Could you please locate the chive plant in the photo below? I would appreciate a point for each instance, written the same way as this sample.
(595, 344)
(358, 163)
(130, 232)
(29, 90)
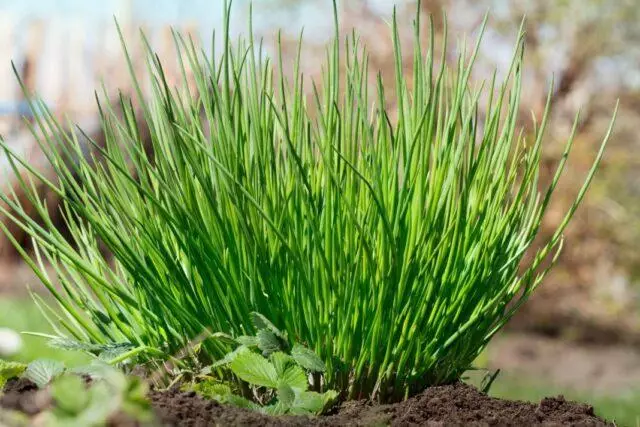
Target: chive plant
(393, 248)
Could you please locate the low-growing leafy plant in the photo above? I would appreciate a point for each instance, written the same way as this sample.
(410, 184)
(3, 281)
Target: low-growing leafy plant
(274, 381)
(394, 249)
(41, 372)
(79, 404)
(83, 396)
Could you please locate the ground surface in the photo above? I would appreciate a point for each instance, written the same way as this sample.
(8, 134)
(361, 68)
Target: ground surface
(453, 405)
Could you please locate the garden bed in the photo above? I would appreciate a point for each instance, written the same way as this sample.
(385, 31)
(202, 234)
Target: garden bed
(457, 404)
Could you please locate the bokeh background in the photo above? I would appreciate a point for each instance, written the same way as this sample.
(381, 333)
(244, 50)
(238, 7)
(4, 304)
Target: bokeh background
(580, 334)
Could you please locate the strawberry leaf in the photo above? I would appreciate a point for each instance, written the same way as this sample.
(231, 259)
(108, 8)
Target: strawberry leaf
(43, 371)
(281, 361)
(308, 402)
(307, 359)
(286, 395)
(254, 369)
(296, 378)
(261, 322)
(268, 342)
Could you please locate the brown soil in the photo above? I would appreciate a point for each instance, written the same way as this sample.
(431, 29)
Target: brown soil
(22, 395)
(451, 405)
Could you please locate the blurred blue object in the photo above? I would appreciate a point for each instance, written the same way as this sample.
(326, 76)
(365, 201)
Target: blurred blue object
(15, 109)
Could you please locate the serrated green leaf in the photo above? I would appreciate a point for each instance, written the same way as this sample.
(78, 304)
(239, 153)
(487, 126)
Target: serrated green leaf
(309, 401)
(102, 403)
(43, 371)
(211, 389)
(65, 343)
(268, 342)
(307, 358)
(286, 395)
(281, 361)
(113, 351)
(116, 392)
(221, 389)
(261, 322)
(241, 402)
(312, 403)
(296, 378)
(274, 410)
(10, 370)
(104, 351)
(254, 369)
(247, 340)
(329, 398)
(300, 412)
(229, 357)
(70, 393)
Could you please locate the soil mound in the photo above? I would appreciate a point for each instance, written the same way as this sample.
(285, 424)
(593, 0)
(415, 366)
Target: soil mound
(450, 405)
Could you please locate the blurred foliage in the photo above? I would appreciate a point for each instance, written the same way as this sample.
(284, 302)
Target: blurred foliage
(23, 315)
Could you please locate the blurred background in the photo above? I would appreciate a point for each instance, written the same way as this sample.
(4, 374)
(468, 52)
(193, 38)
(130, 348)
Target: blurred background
(580, 334)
